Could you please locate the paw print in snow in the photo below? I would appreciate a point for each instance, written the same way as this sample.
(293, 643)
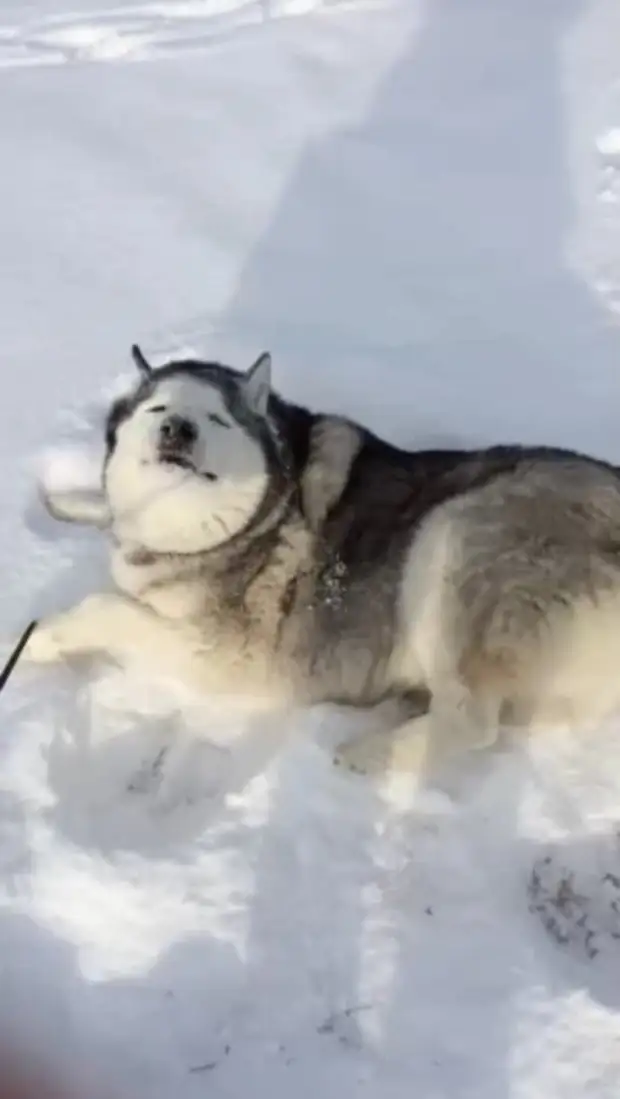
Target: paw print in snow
(583, 916)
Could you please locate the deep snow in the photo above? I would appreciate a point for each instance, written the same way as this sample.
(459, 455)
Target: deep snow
(416, 207)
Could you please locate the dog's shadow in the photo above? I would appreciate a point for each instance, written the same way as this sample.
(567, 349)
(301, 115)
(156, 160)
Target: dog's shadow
(137, 767)
(125, 779)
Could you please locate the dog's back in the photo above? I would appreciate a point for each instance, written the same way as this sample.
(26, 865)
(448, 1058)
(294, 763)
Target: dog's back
(510, 596)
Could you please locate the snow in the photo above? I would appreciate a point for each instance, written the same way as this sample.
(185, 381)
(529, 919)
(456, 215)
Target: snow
(416, 207)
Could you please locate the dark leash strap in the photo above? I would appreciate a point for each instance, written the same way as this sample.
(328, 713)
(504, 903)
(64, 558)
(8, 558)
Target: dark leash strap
(15, 655)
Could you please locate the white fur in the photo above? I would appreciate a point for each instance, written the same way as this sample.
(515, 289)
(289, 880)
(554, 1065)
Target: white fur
(171, 510)
(124, 630)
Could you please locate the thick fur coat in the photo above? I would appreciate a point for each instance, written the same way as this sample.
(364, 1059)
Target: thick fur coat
(258, 547)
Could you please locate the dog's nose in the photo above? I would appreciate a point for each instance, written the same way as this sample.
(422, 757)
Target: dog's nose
(178, 431)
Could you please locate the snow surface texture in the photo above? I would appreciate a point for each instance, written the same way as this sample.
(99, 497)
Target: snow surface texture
(416, 207)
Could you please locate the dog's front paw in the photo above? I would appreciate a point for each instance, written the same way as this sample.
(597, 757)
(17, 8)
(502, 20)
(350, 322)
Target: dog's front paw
(366, 755)
(45, 644)
(92, 626)
(378, 753)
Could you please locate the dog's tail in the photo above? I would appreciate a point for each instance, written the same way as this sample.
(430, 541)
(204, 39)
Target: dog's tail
(69, 486)
(76, 506)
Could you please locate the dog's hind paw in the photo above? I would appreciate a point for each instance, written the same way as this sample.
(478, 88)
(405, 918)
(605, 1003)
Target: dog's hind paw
(403, 751)
(347, 757)
(379, 753)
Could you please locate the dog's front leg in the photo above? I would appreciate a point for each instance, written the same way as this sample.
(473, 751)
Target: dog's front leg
(125, 631)
(119, 628)
(103, 623)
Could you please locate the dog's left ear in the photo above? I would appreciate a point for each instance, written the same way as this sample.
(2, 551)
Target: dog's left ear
(256, 385)
(141, 361)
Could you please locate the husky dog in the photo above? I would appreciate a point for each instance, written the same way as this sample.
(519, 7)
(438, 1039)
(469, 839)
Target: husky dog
(260, 548)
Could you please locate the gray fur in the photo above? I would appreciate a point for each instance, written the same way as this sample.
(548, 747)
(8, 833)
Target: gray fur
(368, 572)
(141, 362)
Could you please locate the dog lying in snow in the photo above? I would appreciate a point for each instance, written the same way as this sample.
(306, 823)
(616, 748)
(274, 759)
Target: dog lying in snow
(259, 547)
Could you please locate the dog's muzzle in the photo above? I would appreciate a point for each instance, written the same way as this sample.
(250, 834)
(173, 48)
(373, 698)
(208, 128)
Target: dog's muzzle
(177, 436)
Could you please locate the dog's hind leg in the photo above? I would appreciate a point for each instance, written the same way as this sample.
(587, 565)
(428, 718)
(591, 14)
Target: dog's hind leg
(457, 721)
(542, 646)
(469, 684)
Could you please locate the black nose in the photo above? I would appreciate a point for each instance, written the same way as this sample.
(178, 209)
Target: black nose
(177, 431)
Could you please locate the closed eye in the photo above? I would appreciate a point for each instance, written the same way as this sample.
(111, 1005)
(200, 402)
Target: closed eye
(157, 408)
(215, 419)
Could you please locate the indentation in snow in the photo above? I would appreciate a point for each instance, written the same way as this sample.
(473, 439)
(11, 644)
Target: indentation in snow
(608, 143)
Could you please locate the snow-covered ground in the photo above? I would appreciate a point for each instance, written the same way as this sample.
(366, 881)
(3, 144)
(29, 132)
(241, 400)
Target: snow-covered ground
(416, 206)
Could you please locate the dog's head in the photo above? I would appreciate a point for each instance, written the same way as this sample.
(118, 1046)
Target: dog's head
(191, 456)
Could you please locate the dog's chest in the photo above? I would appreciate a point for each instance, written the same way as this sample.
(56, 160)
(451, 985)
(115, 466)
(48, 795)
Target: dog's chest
(154, 581)
(247, 594)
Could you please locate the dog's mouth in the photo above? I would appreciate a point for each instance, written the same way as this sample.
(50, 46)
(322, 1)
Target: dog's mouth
(176, 452)
(176, 458)
(170, 457)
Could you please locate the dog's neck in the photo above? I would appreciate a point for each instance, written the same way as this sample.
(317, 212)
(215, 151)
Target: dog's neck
(135, 566)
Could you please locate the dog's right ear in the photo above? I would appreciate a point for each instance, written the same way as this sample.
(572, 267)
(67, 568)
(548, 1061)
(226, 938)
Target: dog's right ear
(76, 506)
(256, 385)
(141, 361)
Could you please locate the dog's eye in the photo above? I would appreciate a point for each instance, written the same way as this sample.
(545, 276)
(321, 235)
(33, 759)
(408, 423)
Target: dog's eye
(157, 408)
(215, 419)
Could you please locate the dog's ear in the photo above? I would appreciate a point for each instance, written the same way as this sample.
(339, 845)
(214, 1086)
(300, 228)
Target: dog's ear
(76, 506)
(141, 361)
(256, 385)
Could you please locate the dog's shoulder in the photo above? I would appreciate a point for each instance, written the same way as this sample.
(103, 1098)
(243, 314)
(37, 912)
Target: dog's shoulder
(334, 445)
(322, 448)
